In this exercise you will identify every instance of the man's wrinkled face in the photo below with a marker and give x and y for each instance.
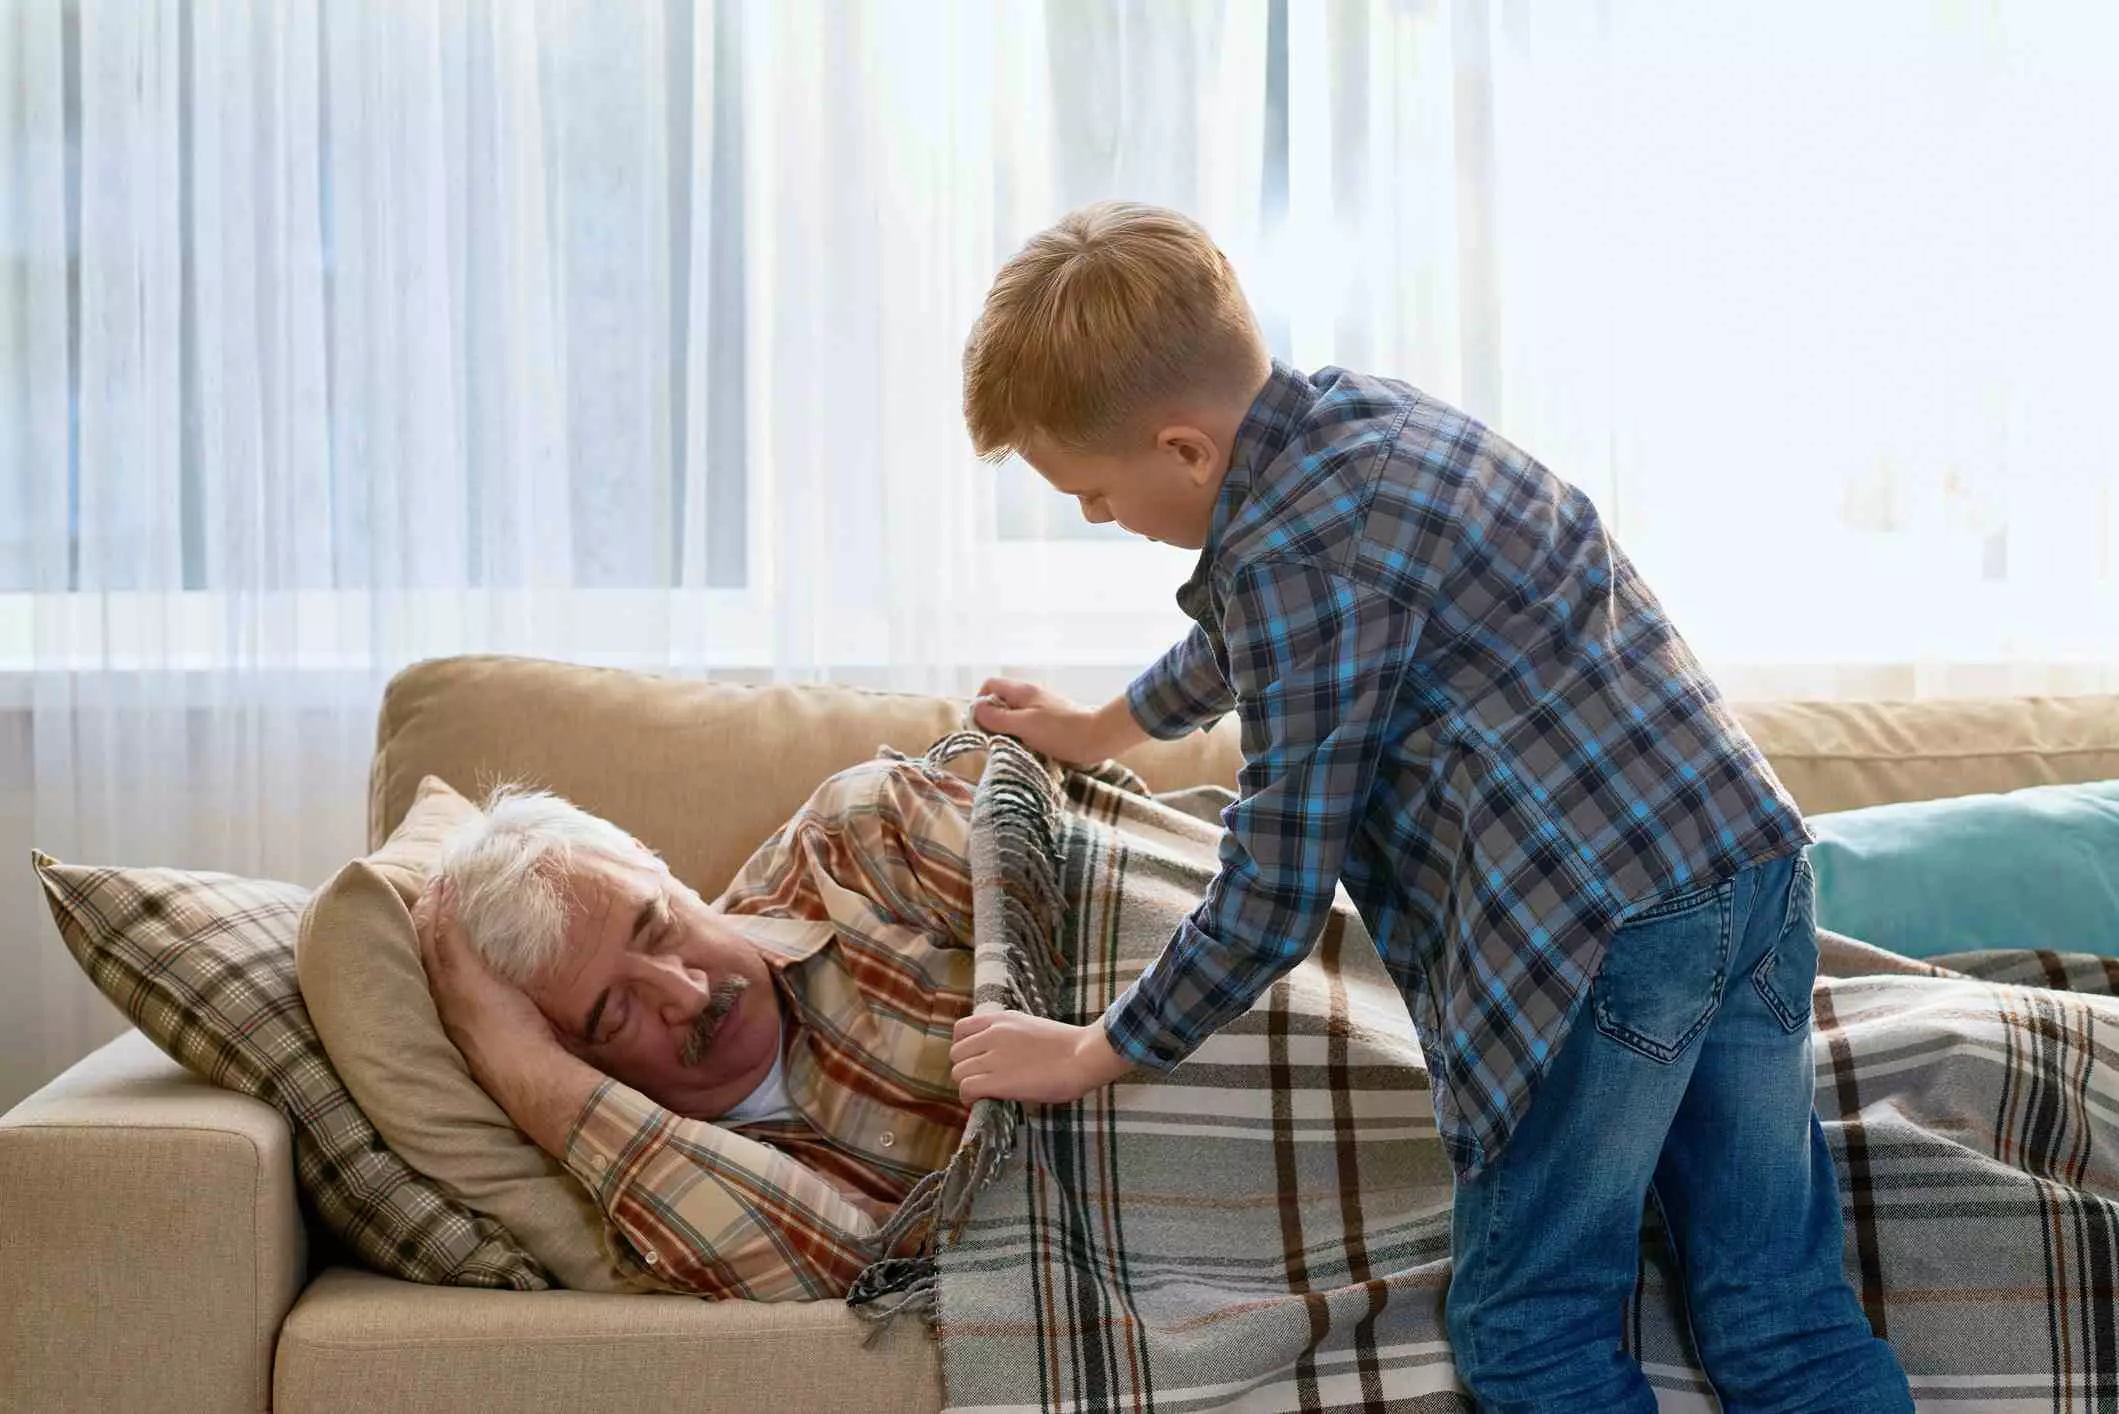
(659, 992)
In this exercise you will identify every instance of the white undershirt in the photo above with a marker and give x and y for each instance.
(769, 1100)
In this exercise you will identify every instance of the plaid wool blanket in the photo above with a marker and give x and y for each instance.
(1267, 1228)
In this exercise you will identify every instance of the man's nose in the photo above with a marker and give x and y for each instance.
(1095, 511)
(677, 991)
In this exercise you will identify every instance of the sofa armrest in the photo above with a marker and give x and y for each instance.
(150, 1240)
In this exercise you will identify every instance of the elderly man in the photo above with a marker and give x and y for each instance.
(746, 1087)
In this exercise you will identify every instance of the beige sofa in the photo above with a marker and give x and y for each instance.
(152, 1255)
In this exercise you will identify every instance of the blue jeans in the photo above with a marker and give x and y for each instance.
(1686, 1075)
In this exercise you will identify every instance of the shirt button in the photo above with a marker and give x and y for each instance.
(888, 1139)
(648, 1257)
(599, 1163)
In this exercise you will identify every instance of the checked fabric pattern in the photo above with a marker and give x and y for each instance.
(1267, 1226)
(204, 964)
(1456, 695)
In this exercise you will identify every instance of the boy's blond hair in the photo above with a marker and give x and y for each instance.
(1118, 312)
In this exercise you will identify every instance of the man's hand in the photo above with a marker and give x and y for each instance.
(1006, 1055)
(505, 1040)
(495, 1025)
(1051, 725)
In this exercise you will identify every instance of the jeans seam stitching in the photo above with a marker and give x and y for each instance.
(1496, 1187)
(1791, 1018)
(1649, 1048)
(1689, 902)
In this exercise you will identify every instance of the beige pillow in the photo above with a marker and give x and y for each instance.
(367, 993)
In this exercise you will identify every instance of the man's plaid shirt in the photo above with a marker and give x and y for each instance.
(1456, 695)
(862, 907)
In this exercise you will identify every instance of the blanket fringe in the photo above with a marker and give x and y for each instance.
(1016, 911)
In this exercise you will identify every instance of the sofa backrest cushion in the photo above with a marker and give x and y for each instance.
(703, 772)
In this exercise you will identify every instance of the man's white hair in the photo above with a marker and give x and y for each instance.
(510, 869)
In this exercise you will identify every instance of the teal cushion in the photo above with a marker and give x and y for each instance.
(2035, 868)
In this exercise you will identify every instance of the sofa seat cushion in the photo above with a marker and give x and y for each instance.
(357, 1343)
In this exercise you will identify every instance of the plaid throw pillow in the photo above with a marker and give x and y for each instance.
(204, 964)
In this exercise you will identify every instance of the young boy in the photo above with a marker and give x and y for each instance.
(1456, 695)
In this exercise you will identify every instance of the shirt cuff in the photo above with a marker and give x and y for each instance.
(605, 1140)
(1138, 1029)
(1162, 708)
(605, 1135)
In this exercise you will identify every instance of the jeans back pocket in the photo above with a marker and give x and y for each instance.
(1785, 975)
(1662, 975)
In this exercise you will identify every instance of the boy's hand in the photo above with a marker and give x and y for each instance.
(1049, 724)
(1006, 1055)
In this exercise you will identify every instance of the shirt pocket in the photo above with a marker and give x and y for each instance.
(1661, 981)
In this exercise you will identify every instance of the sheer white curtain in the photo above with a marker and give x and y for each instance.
(335, 335)
(1816, 299)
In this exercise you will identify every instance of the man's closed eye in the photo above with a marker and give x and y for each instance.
(605, 1022)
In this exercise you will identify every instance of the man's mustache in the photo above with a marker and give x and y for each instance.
(718, 1006)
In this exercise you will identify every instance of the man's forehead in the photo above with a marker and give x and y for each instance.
(601, 884)
(605, 899)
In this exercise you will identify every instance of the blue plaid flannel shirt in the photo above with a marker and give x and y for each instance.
(1457, 696)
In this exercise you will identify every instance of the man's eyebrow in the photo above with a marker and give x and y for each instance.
(649, 915)
(642, 921)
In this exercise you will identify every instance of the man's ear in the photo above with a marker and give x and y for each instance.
(1194, 449)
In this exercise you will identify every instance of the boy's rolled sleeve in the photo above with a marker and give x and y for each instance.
(1315, 662)
(1182, 691)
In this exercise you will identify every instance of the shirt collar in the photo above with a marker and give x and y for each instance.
(1275, 416)
(782, 941)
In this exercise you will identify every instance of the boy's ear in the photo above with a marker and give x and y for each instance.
(1194, 449)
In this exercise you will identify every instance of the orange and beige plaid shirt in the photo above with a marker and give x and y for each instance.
(862, 906)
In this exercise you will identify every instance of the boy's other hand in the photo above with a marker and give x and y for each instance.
(1051, 725)
(1007, 1055)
